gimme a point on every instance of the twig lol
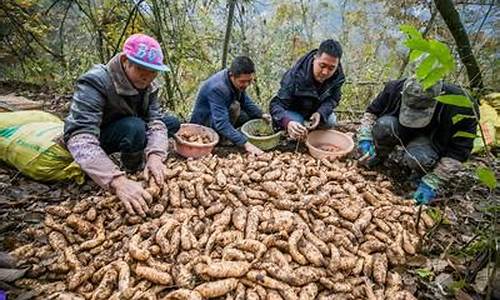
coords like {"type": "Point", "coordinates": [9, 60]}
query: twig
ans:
{"type": "Point", "coordinates": [434, 228]}
{"type": "Point", "coordinates": [406, 150]}
{"type": "Point", "coordinates": [61, 29]}
{"type": "Point", "coordinates": [446, 250]}
{"type": "Point", "coordinates": [477, 34]}
{"type": "Point", "coordinates": [46, 12]}
{"type": "Point", "coordinates": [470, 242]}
{"type": "Point", "coordinates": [297, 146]}
{"type": "Point", "coordinates": [419, 213]}
{"type": "Point", "coordinates": [129, 18]}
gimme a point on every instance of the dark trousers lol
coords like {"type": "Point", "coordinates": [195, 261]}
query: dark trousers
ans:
{"type": "Point", "coordinates": [237, 115]}
{"type": "Point", "coordinates": [128, 136]}
{"type": "Point", "coordinates": [420, 151]}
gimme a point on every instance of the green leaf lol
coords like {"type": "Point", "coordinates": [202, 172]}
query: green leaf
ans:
{"type": "Point", "coordinates": [455, 286]}
{"type": "Point", "coordinates": [434, 213]}
{"type": "Point", "coordinates": [411, 31]}
{"type": "Point", "coordinates": [442, 53]}
{"type": "Point", "coordinates": [487, 177]}
{"type": "Point", "coordinates": [417, 44]}
{"type": "Point", "coordinates": [415, 54]}
{"type": "Point", "coordinates": [457, 100]}
{"type": "Point", "coordinates": [424, 273]}
{"type": "Point", "coordinates": [465, 135]}
{"type": "Point", "coordinates": [433, 77]}
{"type": "Point", "coordinates": [425, 67]}
{"type": "Point", "coordinates": [459, 117]}
{"type": "Point", "coordinates": [477, 246]}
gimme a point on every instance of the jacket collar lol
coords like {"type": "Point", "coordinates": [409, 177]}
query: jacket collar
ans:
{"type": "Point", "coordinates": [237, 93]}
{"type": "Point", "coordinates": [229, 82]}
{"type": "Point", "coordinates": [120, 81]}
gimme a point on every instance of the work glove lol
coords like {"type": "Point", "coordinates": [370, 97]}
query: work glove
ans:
{"type": "Point", "coordinates": [367, 155]}
{"type": "Point", "coordinates": [366, 148]}
{"type": "Point", "coordinates": [427, 190]}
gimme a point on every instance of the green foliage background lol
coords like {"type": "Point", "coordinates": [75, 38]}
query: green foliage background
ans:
{"type": "Point", "coordinates": [52, 42]}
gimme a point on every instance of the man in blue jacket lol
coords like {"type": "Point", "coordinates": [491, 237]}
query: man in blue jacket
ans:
{"type": "Point", "coordinates": [310, 90]}
{"type": "Point", "coordinates": [223, 104]}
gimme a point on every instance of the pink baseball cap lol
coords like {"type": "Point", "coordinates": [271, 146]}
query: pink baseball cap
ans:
{"type": "Point", "coordinates": [144, 51]}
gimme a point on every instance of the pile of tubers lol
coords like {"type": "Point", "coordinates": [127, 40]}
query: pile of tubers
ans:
{"type": "Point", "coordinates": [198, 138]}
{"type": "Point", "coordinates": [278, 226]}
{"type": "Point", "coordinates": [329, 148]}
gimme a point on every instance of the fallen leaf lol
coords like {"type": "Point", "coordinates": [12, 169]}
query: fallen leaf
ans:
{"type": "Point", "coordinates": [417, 261]}
{"type": "Point", "coordinates": [450, 216]}
{"type": "Point", "coordinates": [29, 295]}
{"type": "Point", "coordinates": [424, 273]}
{"type": "Point", "coordinates": [9, 275]}
{"type": "Point", "coordinates": [444, 279]}
{"type": "Point", "coordinates": [6, 260]}
{"type": "Point", "coordinates": [482, 277]}
{"type": "Point", "coordinates": [461, 295]}
{"type": "Point", "coordinates": [438, 265]}
{"type": "Point", "coordinates": [455, 286]}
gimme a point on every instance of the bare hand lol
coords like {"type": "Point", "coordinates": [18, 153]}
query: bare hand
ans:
{"type": "Point", "coordinates": [296, 130]}
{"type": "Point", "coordinates": [267, 118]}
{"type": "Point", "coordinates": [155, 167]}
{"type": "Point", "coordinates": [315, 118]}
{"type": "Point", "coordinates": [250, 148]}
{"type": "Point", "coordinates": [132, 195]}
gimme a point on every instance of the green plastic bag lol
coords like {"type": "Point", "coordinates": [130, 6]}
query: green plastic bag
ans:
{"type": "Point", "coordinates": [33, 149]}
{"type": "Point", "coordinates": [9, 119]}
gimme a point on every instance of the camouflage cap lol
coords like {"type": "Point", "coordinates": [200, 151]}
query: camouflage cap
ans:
{"type": "Point", "coordinates": [417, 104]}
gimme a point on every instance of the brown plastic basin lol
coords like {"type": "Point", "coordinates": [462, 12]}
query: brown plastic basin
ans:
{"type": "Point", "coordinates": [330, 144]}
{"type": "Point", "coordinates": [191, 149]}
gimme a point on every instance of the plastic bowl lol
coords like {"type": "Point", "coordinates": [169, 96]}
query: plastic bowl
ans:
{"type": "Point", "coordinates": [195, 150]}
{"type": "Point", "coordinates": [256, 130]}
{"type": "Point", "coordinates": [318, 140]}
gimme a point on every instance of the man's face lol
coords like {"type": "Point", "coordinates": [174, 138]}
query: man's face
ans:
{"type": "Point", "coordinates": [324, 66]}
{"type": "Point", "coordinates": [242, 81]}
{"type": "Point", "coordinates": [140, 77]}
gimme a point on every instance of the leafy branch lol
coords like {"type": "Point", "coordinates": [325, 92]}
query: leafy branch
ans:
{"type": "Point", "coordinates": [434, 61]}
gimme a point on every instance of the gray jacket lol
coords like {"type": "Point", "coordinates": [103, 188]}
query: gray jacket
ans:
{"type": "Point", "coordinates": [104, 95]}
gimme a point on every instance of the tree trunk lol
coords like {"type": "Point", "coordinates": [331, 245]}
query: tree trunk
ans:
{"type": "Point", "coordinates": [244, 43]}
{"type": "Point", "coordinates": [307, 26]}
{"type": "Point", "coordinates": [158, 29]}
{"type": "Point", "coordinates": [229, 26]}
{"type": "Point", "coordinates": [452, 20]}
